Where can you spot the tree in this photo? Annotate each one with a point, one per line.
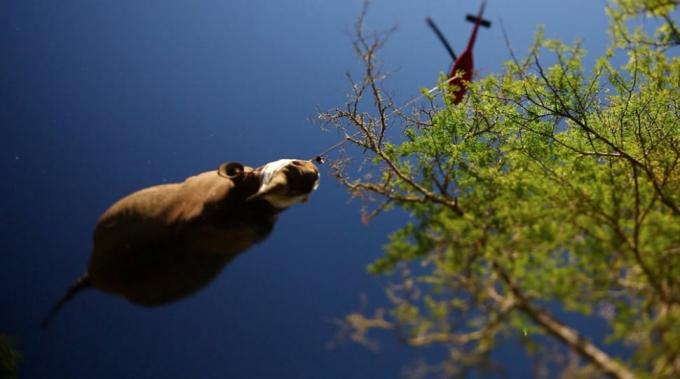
(549, 190)
(9, 358)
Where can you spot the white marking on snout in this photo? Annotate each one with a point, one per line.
(270, 169)
(277, 200)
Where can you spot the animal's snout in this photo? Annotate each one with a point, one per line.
(286, 182)
(305, 176)
(309, 181)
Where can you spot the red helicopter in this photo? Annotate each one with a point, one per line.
(464, 62)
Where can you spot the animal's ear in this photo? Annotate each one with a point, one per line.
(231, 170)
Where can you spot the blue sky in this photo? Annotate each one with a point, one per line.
(99, 99)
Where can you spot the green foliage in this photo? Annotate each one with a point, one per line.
(9, 358)
(548, 185)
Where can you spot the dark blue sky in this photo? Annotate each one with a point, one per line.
(101, 98)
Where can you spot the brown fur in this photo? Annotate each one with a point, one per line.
(163, 243)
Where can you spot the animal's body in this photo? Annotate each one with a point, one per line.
(163, 243)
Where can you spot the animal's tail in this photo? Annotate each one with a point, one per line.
(82, 283)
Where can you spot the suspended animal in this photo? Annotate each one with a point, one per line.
(165, 242)
(463, 65)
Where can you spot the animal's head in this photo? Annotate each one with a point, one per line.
(281, 183)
